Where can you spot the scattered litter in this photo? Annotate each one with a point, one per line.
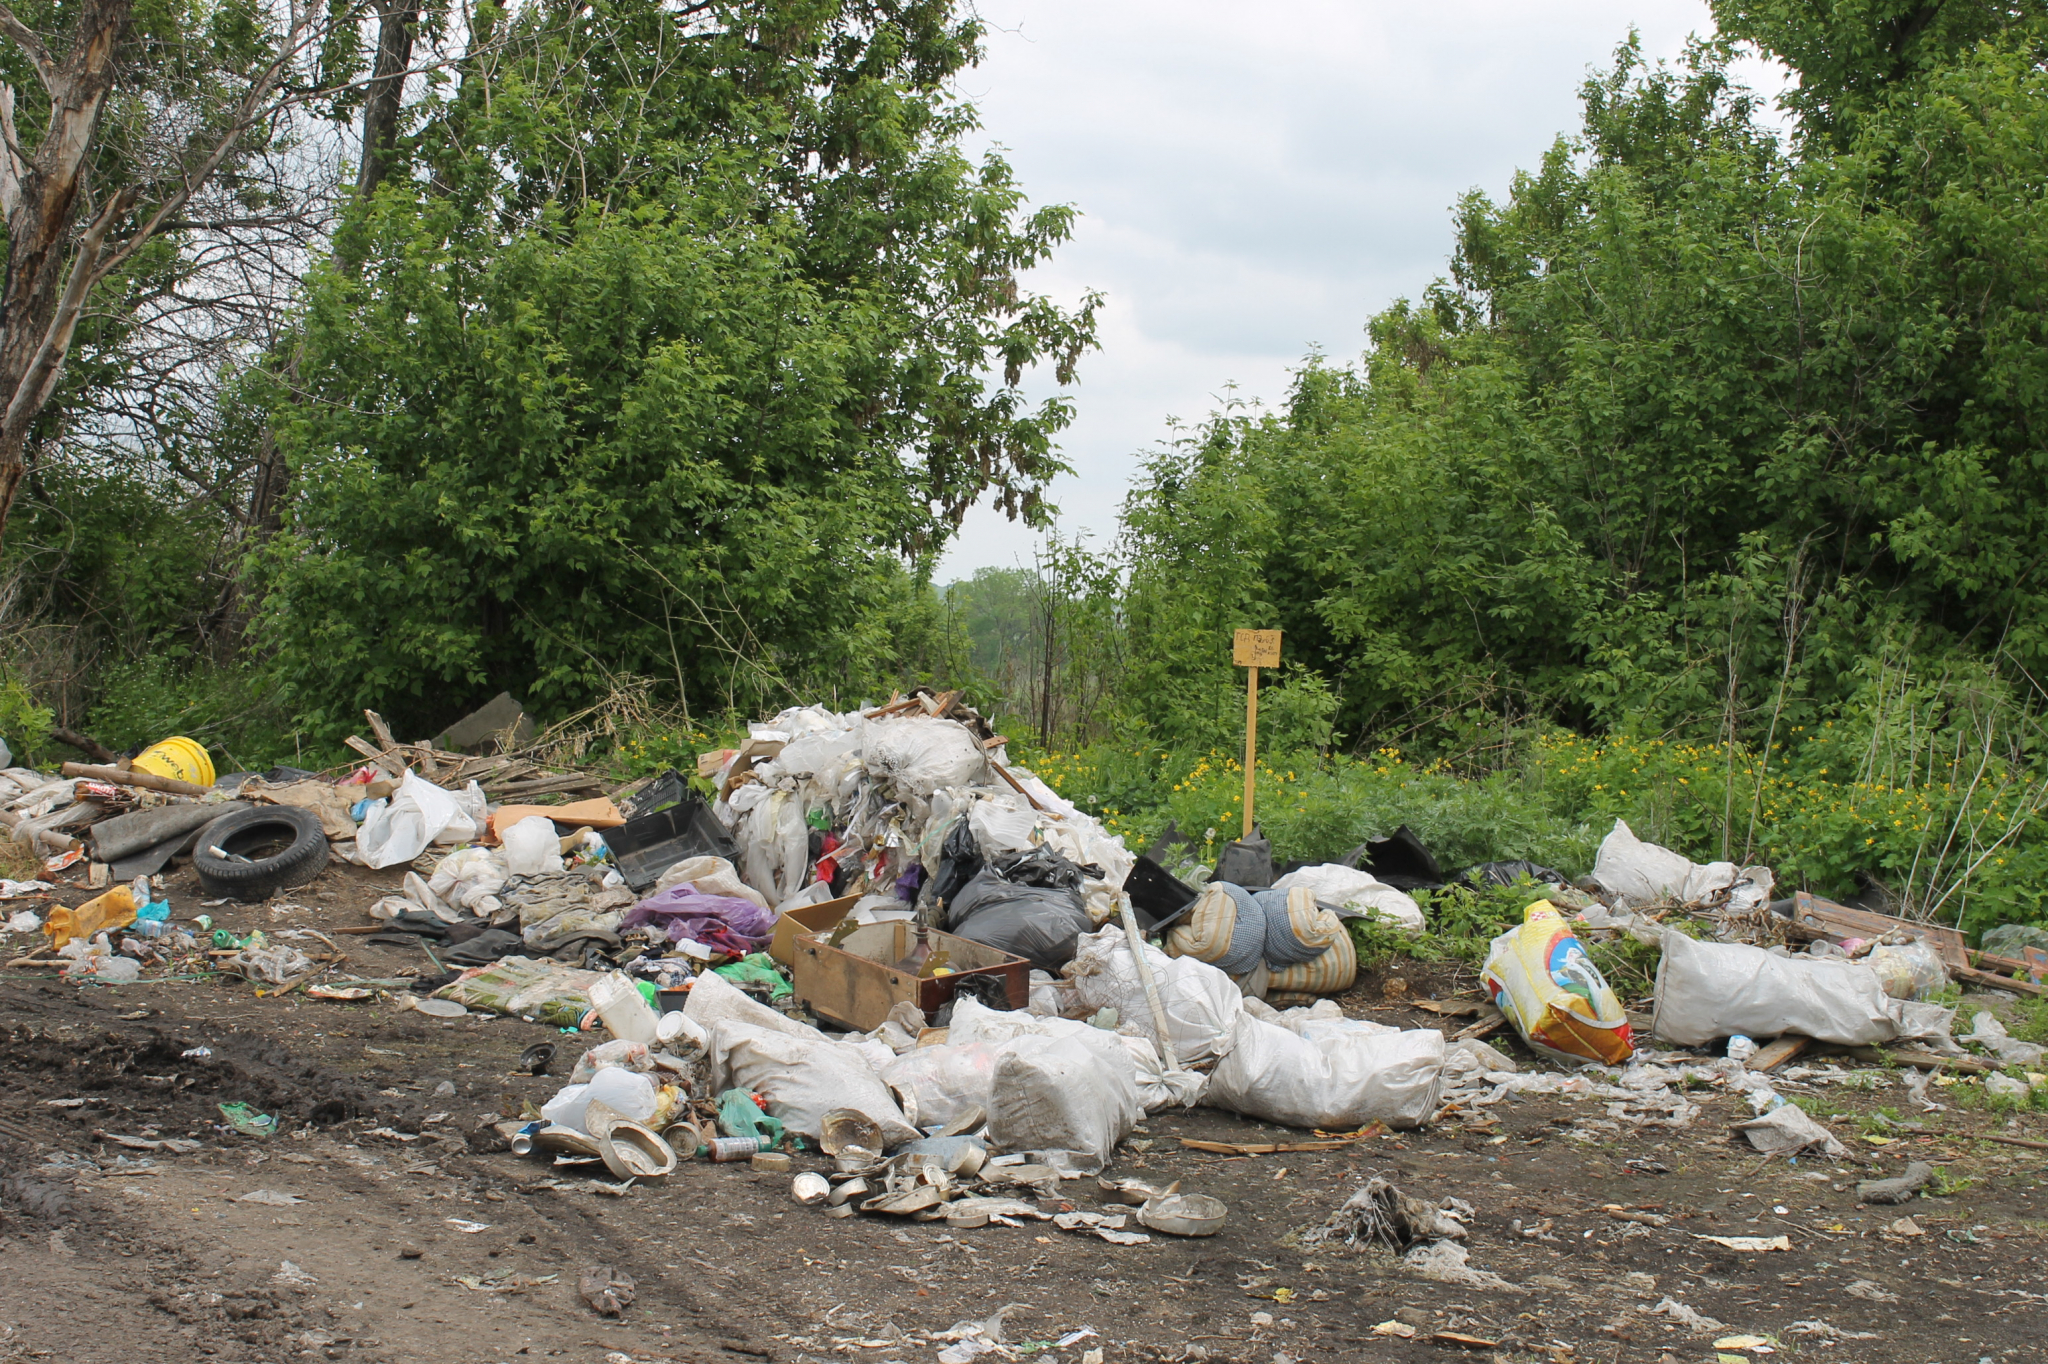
(608, 1291)
(1748, 1243)
(466, 1227)
(1900, 1189)
(270, 1198)
(1870, 1292)
(248, 1121)
(291, 1276)
(1788, 1131)
(1687, 1317)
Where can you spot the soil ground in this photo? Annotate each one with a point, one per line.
(416, 1239)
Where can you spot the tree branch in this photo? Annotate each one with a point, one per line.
(28, 42)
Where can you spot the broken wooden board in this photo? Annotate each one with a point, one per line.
(1779, 1052)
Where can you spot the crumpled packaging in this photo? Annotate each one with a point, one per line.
(1539, 975)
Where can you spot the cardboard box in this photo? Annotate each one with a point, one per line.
(855, 984)
(822, 917)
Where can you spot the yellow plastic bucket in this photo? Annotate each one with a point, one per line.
(179, 759)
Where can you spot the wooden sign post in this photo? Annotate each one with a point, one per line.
(1253, 649)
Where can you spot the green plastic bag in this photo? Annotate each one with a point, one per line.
(740, 1116)
(757, 968)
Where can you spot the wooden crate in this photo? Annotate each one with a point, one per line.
(856, 983)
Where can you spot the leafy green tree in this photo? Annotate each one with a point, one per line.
(688, 330)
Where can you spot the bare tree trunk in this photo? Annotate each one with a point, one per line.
(387, 94)
(39, 196)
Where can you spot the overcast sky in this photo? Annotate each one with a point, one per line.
(1257, 180)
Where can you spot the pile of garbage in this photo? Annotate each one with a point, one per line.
(881, 943)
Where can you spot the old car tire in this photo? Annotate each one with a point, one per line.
(302, 859)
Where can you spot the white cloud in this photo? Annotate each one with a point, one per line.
(1258, 180)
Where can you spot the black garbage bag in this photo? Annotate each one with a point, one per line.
(959, 861)
(1044, 866)
(1399, 859)
(1038, 923)
(1507, 873)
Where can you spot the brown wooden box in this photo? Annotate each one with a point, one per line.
(822, 917)
(856, 983)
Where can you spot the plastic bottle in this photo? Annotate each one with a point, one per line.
(624, 1010)
(1741, 1048)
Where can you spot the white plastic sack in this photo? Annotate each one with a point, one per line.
(1355, 894)
(713, 876)
(939, 1084)
(775, 846)
(1054, 1094)
(1640, 872)
(802, 1079)
(919, 755)
(1711, 990)
(1123, 1051)
(1001, 826)
(1202, 1004)
(532, 847)
(399, 829)
(471, 879)
(472, 816)
(627, 1092)
(714, 999)
(1335, 1083)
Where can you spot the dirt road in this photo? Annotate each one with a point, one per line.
(386, 1223)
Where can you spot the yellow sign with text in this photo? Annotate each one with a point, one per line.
(1256, 649)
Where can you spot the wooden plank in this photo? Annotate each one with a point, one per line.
(379, 730)
(1925, 1060)
(546, 786)
(1779, 1052)
(1997, 982)
(1824, 918)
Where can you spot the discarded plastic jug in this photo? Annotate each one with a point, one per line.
(624, 1009)
(1741, 1048)
(115, 909)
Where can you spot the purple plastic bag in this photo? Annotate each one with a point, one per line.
(723, 922)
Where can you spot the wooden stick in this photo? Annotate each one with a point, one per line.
(1266, 1148)
(1251, 743)
(121, 776)
(1483, 1029)
(1015, 785)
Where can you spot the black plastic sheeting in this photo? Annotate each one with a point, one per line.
(1507, 873)
(1398, 859)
